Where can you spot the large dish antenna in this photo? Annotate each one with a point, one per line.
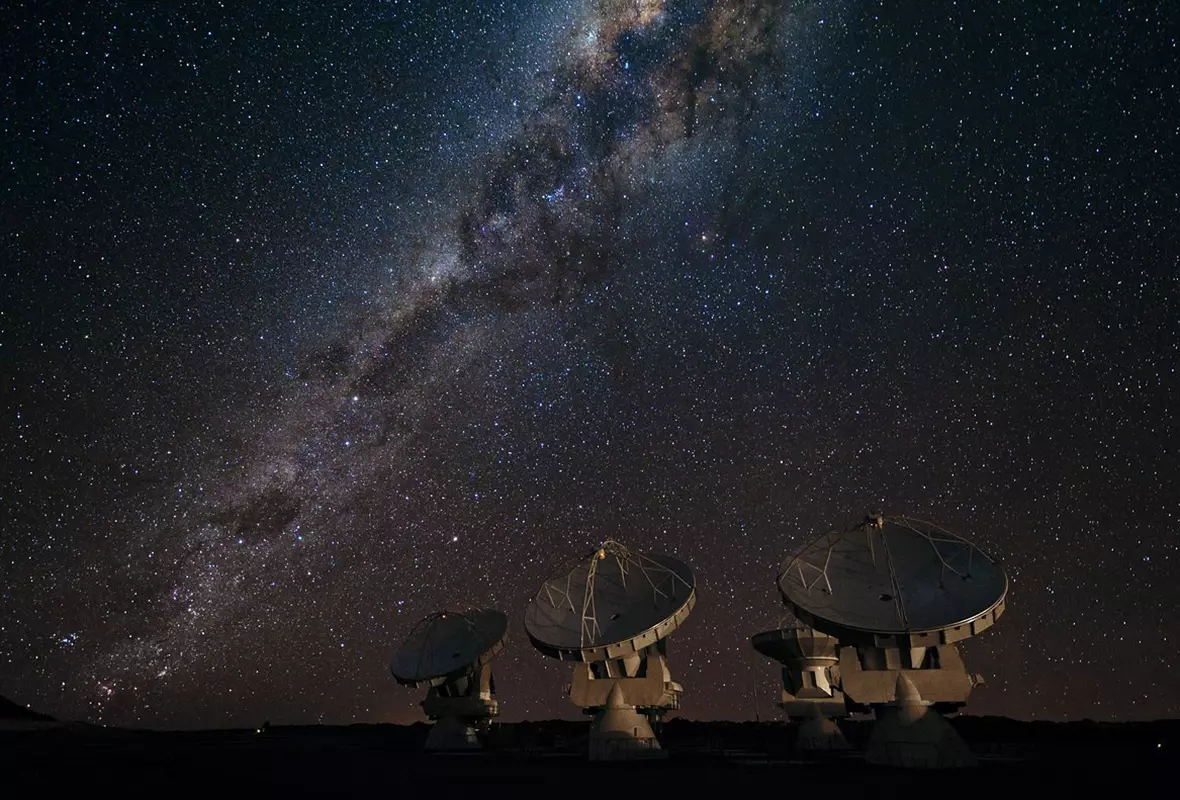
(449, 643)
(610, 603)
(450, 652)
(894, 578)
(897, 593)
(612, 610)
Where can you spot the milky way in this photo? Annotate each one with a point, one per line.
(543, 223)
(702, 276)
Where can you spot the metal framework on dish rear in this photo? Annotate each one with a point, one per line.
(565, 618)
(894, 581)
(881, 605)
(612, 610)
(450, 652)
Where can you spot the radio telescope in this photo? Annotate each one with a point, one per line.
(611, 611)
(811, 680)
(450, 652)
(896, 594)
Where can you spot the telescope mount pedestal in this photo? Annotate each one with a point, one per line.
(462, 708)
(624, 696)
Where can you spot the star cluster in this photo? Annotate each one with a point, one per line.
(316, 320)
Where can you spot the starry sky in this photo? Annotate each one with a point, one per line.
(316, 317)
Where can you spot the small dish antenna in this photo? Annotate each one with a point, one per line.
(882, 601)
(611, 611)
(450, 652)
(810, 689)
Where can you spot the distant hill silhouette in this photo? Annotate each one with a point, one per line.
(12, 712)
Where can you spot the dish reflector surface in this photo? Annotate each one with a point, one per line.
(894, 576)
(795, 642)
(609, 603)
(448, 643)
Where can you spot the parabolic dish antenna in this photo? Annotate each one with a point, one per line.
(794, 640)
(894, 576)
(448, 644)
(609, 604)
(612, 610)
(810, 682)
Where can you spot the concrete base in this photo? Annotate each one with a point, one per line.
(910, 734)
(452, 733)
(459, 718)
(621, 733)
(819, 733)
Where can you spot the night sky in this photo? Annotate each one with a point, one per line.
(317, 317)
